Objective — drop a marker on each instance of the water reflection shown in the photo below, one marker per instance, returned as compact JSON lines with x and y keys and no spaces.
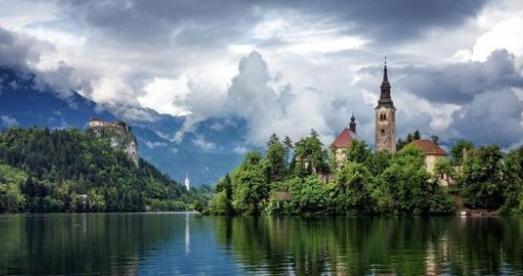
{"x":407,"y":246}
{"x":190,"y":244}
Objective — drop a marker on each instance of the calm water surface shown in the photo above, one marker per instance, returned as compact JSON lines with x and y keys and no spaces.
{"x":169,"y":243}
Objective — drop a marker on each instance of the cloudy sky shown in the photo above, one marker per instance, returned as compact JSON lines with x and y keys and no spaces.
{"x":456,"y":67}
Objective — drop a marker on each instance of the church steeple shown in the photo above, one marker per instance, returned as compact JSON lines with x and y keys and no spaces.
{"x":352,"y":125}
{"x":385,"y":98}
{"x":385,"y":117}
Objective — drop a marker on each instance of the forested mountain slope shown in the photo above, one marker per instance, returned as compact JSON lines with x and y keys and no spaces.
{"x":74,"y":170}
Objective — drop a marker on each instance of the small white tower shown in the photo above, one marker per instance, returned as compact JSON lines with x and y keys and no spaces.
{"x":187,"y":183}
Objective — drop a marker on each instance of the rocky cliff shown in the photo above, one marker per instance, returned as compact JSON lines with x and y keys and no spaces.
{"x":120,"y":135}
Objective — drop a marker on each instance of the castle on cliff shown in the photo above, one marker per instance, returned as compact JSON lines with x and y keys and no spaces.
{"x":120,"y":135}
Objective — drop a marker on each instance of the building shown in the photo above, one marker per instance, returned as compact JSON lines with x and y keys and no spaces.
{"x":385,"y":132}
{"x":119,"y":134}
{"x":433,"y":155}
{"x":343,"y":142}
{"x":187,"y":183}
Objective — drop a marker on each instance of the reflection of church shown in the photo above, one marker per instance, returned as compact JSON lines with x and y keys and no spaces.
{"x":385,"y":126}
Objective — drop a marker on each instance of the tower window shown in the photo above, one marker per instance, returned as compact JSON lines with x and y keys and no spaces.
{"x":383,"y":117}
{"x":382,"y":131}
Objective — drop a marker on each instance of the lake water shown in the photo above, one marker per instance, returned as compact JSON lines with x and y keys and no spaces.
{"x":170,"y":243}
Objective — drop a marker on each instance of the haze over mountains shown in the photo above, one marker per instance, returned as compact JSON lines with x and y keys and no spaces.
{"x":26,"y":100}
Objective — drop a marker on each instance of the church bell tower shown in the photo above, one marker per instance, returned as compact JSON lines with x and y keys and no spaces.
{"x":385,"y":132}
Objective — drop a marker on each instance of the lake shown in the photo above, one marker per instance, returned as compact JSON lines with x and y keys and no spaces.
{"x":174,"y":243}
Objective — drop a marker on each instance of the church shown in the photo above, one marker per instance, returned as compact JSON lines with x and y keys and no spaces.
{"x":385,"y":125}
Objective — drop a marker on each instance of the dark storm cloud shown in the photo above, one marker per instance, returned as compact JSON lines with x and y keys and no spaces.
{"x":202,"y":23}
{"x":158,"y":22}
{"x":392,"y":21}
{"x":459,"y":83}
{"x":491,"y":118}
{"x":16,"y":50}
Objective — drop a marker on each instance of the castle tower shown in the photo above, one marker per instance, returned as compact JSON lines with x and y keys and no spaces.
{"x":385,"y":132}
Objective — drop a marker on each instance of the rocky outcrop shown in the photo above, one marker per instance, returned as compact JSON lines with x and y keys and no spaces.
{"x":120,"y":136}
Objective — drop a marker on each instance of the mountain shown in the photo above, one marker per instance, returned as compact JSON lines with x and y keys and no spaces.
{"x":205,"y":154}
{"x":69,"y":170}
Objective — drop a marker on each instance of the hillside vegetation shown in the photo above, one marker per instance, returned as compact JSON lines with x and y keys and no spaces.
{"x":72,"y":170}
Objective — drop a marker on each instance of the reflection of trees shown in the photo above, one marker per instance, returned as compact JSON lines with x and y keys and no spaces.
{"x":408,"y":246}
{"x":78,"y":243}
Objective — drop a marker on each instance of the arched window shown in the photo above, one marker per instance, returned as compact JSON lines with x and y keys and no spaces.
{"x":382,"y":131}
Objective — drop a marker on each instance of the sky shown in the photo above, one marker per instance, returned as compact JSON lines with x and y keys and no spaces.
{"x":456,"y":67}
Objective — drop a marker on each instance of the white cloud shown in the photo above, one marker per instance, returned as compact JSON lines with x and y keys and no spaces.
{"x":8,"y":121}
{"x":200,"y":142}
{"x":166,"y":96}
{"x":112,"y":91}
{"x":507,"y":34}
{"x":156,"y":144}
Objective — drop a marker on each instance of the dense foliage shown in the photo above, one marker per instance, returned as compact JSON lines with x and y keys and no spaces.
{"x":71,"y":170}
{"x":298,"y":179}
{"x":490,"y":179}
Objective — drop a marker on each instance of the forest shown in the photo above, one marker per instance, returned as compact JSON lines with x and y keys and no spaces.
{"x":70,"y":170}
{"x":301,"y":179}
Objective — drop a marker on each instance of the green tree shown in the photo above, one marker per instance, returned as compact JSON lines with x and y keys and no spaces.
{"x":358,"y":152}
{"x":353,"y":185}
{"x":513,"y":181}
{"x":309,"y":196}
{"x":277,"y":158}
{"x":251,"y":188}
{"x":378,"y":162}
{"x":481,"y":180}
{"x":310,"y":156}
{"x":411,"y":187}
{"x":460,"y":150}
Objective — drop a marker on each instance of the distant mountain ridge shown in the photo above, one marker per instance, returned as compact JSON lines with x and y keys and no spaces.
{"x":205,"y":154}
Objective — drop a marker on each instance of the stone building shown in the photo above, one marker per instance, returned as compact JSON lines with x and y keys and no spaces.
{"x":433,"y":155}
{"x":343,"y":142}
{"x":385,"y":132}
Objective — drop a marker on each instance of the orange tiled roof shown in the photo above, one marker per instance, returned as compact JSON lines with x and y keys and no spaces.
{"x":344,"y":139}
{"x":428,"y":147}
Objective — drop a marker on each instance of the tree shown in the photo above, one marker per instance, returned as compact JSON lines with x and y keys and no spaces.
{"x":311,"y":158}
{"x":250,"y":184}
{"x":277,"y":158}
{"x":353,"y":185}
{"x":309,"y":195}
{"x":227,"y":183}
{"x":358,"y":152}
{"x":378,"y":162}
{"x":411,"y":187}
{"x":481,"y":179}
{"x":513,"y":181}
{"x":460,"y":150}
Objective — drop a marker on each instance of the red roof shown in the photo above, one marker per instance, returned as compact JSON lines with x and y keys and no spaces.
{"x":428,"y":147}
{"x":344,"y":140}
